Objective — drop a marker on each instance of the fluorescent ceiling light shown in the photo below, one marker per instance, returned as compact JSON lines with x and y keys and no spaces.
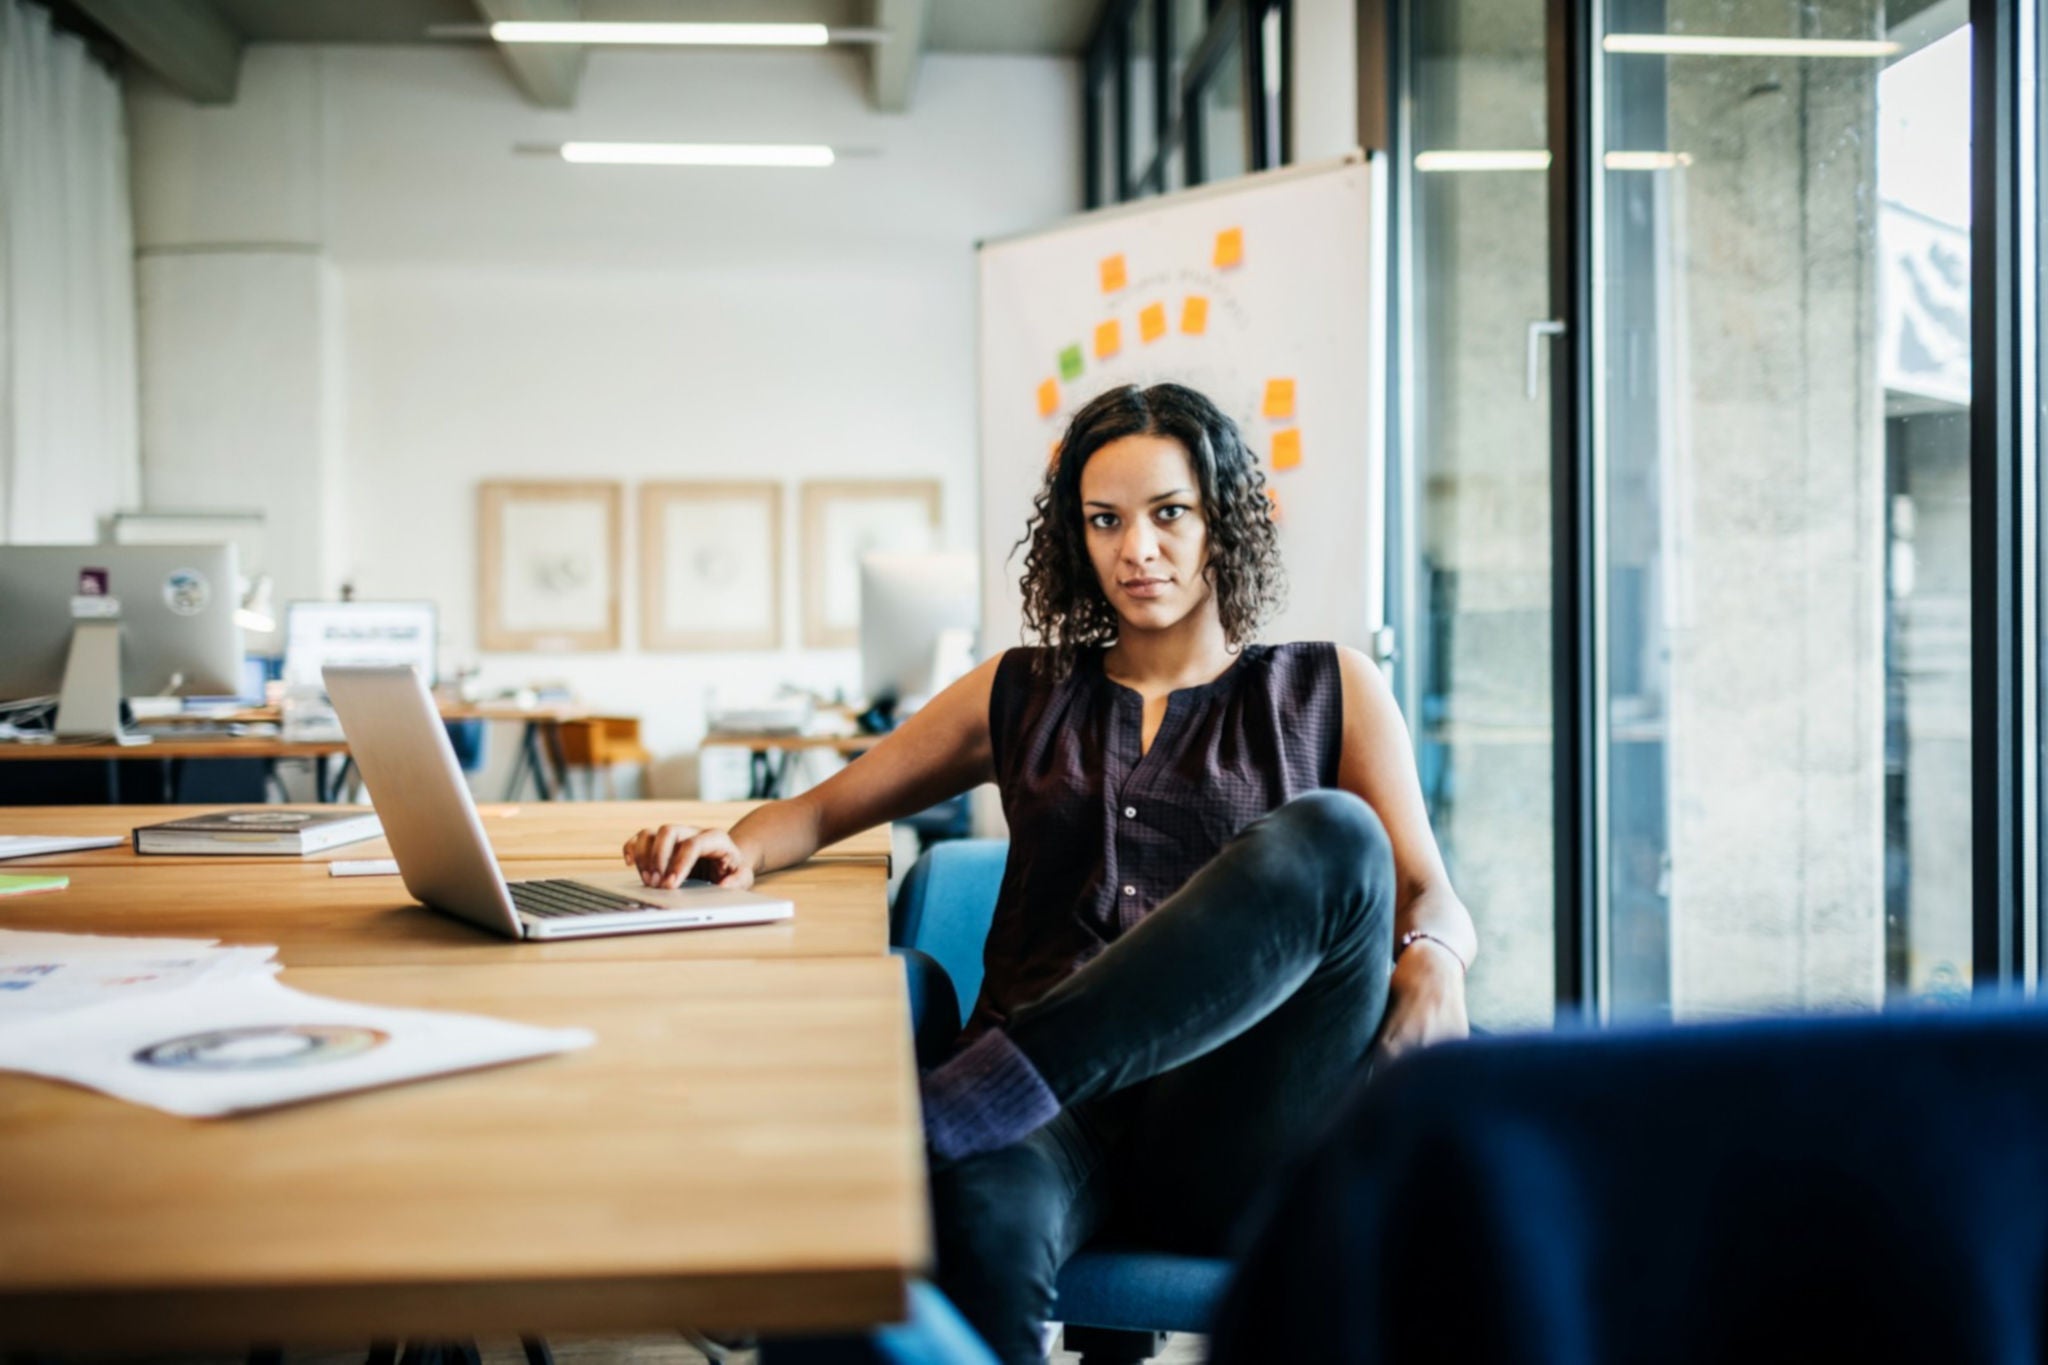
{"x":1646,"y":161}
{"x":694,"y":154}
{"x":1483,"y":161}
{"x":1690,"y":45}
{"x":669,"y":35}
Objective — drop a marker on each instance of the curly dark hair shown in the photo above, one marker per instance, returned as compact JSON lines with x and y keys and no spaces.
{"x":1064,"y":604}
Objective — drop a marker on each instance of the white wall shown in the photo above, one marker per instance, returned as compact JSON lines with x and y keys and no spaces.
{"x":505,"y":315}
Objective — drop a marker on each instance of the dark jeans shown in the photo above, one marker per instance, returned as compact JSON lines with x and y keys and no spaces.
{"x":1190,"y":1057}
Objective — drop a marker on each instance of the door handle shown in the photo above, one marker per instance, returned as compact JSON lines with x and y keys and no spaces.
{"x":1538,"y":330}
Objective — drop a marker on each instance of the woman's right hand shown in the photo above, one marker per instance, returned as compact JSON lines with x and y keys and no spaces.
{"x":664,"y":857}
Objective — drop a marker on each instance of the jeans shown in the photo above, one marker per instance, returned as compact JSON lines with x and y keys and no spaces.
{"x":1190,"y":1057}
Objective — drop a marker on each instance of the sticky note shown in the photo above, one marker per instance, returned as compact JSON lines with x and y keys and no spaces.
{"x":1048,"y":398}
{"x":1274,"y":498}
{"x":1152,"y":322}
{"x":1070,"y":364}
{"x":1113,"y":277}
{"x":1052,"y":456}
{"x":1194,"y":315}
{"x":1229,"y":248}
{"x":1109,"y":339}
{"x":1287,"y":448}
{"x":1279,"y":399}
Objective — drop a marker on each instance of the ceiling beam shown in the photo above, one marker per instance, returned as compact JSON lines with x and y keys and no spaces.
{"x":893,"y":61}
{"x":546,"y":72}
{"x":184,"y":41}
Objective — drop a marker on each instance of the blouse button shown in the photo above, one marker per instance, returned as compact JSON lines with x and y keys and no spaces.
{"x":1130,"y":891}
{"x":1130,"y":812}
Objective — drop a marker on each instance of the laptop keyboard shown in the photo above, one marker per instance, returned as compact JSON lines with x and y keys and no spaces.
{"x":550,"y":898}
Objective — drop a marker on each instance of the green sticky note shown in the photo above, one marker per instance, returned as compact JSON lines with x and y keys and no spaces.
{"x":1070,"y":363}
{"x":25,"y":886}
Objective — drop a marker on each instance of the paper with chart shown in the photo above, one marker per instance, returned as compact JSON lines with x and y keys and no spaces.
{"x":201,"y":1030}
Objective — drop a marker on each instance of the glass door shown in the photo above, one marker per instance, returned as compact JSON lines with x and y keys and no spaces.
{"x":1778,"y":239}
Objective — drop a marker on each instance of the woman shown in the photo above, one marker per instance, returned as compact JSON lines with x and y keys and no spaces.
{"x":1221,"y":890}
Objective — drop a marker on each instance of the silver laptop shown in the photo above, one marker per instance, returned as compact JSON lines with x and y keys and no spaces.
{"x":398,"y":742}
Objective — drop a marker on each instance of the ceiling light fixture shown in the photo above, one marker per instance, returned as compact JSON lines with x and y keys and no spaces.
{"x":1646,"y":161}
{"x":1483,"y":161}
{"x":664,"y":35}
{"x":695,"y":154}
{"x":1690,"y":45}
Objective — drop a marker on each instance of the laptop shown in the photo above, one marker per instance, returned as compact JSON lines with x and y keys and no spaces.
{"x":399,"y":744}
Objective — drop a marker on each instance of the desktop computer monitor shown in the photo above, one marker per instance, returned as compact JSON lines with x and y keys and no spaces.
{"x":918,"y":615}
{"x":356,"y":634}
{"x":174,"y":606}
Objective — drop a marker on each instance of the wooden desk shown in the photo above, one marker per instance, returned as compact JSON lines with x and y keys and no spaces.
{"x":320,"y":920}
{"x":739,"y":1149}
{"x":596,"y":830}
{"x":216,"y":746}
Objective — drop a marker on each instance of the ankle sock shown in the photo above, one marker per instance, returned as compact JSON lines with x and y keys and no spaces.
{"x":988,"y":1096}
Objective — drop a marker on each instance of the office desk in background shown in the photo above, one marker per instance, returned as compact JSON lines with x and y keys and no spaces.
{"x":740,"y":1148}
{"x":541,"y":751}
{"x":771,"y":755}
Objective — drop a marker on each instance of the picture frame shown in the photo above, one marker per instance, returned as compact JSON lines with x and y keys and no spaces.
{"x":844,"y":520}
{"x":711,"y":565}
{"x":548,"y":565}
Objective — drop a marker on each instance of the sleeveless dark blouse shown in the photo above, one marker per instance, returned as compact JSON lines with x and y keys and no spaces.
{"x":1100,"y":834}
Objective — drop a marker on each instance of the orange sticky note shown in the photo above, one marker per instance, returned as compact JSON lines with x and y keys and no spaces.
{"x":1109,"y":339}
{"x":1194,"y":315}
{"x":1113,"y":277}
{"x":1152,"y":322}
{"x":1279,"y":399}
{"x":1287,"y":448}
{"x":1274,"y":499}
{"x":1048,"y":398}
{"x":1229,"y":248}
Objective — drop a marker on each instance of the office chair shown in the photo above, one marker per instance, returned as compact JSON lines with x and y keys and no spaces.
{"x":1864,"y":1188}
{"x":1116,"y":1304}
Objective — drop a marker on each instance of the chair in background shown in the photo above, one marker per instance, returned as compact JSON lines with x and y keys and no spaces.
{"x":1868,"y":1189}
{"x":597,"y":744}
{"x":1116,"y":1303}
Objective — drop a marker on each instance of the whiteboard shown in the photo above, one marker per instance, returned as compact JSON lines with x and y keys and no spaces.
{"x":1227,"y":289}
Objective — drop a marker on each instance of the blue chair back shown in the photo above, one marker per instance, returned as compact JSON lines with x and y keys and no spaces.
{"x":944,"y":907}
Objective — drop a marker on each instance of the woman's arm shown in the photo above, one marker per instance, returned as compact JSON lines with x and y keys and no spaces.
{"x":1427,"y":997}
{"x":939,"y":752}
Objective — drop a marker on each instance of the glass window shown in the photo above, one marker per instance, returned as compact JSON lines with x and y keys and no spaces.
{"x":1782,"y":357}
{"x":1102,"y":95}
{"x":1225,"y":130}
{"x":1142,"y":49}
{"x":1477,"y":452}
{"x":1190,"y":19}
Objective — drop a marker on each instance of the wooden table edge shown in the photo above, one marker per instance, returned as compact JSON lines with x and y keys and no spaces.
{"x":188,"y":1318}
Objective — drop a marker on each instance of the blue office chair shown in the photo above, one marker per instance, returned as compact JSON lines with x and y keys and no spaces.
{"x":1117,"y":1304}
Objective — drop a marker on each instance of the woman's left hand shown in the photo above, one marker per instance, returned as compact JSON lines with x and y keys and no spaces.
{"x":1425,"y":1001}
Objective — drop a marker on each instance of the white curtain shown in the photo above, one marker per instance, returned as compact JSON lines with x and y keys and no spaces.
{"x":68,"y":445}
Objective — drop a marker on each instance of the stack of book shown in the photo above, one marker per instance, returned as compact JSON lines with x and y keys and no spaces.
{"x":287,"y":833}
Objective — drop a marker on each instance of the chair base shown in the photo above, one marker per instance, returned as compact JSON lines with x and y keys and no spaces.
{"x":1112,"y":1345}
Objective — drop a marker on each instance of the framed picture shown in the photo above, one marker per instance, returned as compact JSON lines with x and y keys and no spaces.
{"x":710,"y":566}
{"x":844,"y":521}
{"x":547,"y":566}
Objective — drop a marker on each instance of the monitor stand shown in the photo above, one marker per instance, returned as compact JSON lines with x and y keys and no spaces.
{"x":89,"y":707}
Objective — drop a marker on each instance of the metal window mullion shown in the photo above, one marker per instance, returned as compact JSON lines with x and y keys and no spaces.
{"x":1577,"y":589}
{"x":2001,"y":733}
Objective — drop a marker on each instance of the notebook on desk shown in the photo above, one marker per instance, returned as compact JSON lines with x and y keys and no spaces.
{"x":399,"y":744}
